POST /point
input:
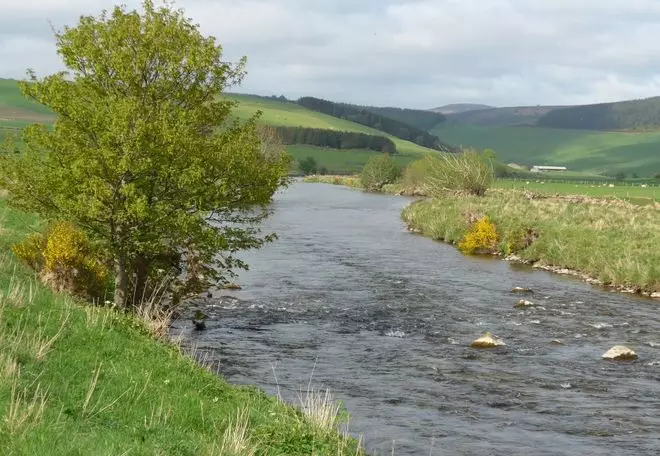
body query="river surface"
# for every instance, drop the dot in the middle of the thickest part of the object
(384, 319)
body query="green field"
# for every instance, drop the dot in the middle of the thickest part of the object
(13, 105)
(579, 150)
(639, 194)
(287, 114)
(344, 161)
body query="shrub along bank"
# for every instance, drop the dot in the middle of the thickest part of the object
(78, 379)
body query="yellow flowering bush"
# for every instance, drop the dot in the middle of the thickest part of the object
(482, 238)
(65, 260)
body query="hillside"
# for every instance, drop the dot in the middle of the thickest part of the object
(289, 114)
(579, 150)
(13, 106)
(629, 115)
(458, 108)
(368, 118)
(497, 117)
(424, 120)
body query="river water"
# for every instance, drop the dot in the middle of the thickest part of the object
(384, 319)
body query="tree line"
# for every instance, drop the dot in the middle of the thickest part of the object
(335, 139)
(371, 119)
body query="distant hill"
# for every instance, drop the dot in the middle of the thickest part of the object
(499, 117)
(457, 108)
(629, 115)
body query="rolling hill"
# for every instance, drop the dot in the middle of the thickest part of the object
(497, 117)
(631, 115)
(579, 150)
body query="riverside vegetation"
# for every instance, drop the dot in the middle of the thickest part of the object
(139, 195)
(81, 379)
(607, 241)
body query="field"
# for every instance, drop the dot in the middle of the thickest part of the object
(637, 194)
(348, 161)
(78, 379)
(280, 113)
(579, 150)
(13, 106)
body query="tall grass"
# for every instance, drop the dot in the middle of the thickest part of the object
(466, 172)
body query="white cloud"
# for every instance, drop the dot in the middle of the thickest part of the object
(401, 52)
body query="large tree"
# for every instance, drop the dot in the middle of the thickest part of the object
(144, 155)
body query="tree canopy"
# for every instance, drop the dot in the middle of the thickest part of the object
(144, 156)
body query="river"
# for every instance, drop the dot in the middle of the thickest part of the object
(384, 319)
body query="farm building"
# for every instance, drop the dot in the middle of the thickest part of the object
(543, 169)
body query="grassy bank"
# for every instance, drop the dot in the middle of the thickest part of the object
(76, 379)
(612, 241)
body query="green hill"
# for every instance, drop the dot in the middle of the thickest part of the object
(457, 108)
(497, 117)
(629, 115)
(15, 107)
(277, 112)
(579, 150)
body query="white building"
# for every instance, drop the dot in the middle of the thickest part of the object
(543, 169)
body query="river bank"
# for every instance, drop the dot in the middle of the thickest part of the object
(78, 379)
(602, 241)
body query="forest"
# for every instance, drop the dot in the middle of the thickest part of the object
(335, 139)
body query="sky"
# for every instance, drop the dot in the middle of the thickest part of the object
(407, 53)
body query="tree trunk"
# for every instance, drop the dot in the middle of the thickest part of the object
(121, 281)
(142, 293)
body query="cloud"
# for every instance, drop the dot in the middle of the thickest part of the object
(418, 53)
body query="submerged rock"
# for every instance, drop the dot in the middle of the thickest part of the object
(232, 286)
(523, 304)
(557, 342)
(198, 320)
(620, 353)
(522, 290)
(488, 340)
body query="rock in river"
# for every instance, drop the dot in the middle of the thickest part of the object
(619, 353)
(522, 290)
(488, 340)
(523, 304)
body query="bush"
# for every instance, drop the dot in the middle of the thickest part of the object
(482, 238)
(308, 166)
(414, 176)
(65, 260)
(467, 172)
(378, 171)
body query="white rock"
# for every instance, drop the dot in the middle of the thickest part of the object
(521, 290)
(620, 352)
(488, 340)
(523, 303)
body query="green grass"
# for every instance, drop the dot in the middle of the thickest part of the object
(280, 113)
(614, 242)
(82, 380)
(579, 150)
(615, 190)
(342, 161)
(14, 105)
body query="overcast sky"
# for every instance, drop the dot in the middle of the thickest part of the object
(413, 53)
